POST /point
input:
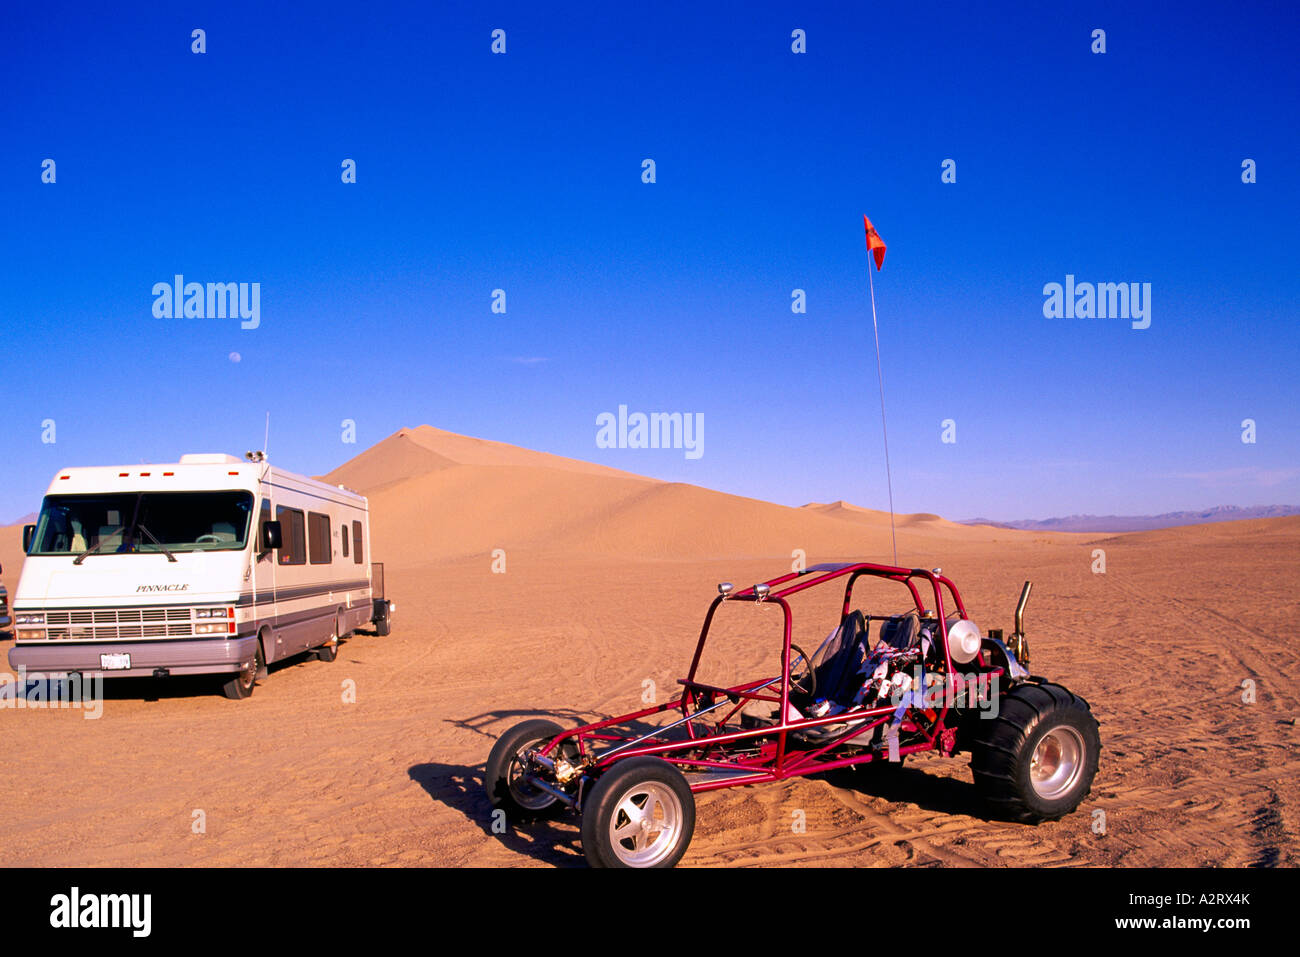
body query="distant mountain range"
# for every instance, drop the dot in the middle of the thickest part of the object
(1141, 523)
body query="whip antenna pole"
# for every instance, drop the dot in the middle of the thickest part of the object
(880, 374)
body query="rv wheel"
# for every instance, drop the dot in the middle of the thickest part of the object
(242, 684)
(330, 650)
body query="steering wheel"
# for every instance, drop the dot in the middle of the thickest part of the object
(805, 683)
(203, 539)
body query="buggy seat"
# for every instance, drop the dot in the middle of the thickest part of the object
(901, 632)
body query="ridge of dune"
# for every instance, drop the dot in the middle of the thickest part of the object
(450, 513)
(455, 512)
(393, 460)
(675, 519)
(410, 452)
(847, 510)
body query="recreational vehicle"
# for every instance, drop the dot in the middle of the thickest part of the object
(5, 619)
(211, 565)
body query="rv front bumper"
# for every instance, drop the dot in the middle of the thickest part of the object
(200, 656)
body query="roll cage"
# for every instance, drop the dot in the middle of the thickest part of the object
(736, 752)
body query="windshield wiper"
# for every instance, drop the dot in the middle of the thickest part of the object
(104, 540)
(93, 549)
(166, 550)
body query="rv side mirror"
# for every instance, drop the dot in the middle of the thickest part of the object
(271, 539)
(29, 532)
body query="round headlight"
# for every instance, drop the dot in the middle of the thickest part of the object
(963, 641)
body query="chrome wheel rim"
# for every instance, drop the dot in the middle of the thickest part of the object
(646, 825)
(1056, 763)
(523, 793)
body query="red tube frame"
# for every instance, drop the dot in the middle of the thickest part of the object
(778, 762)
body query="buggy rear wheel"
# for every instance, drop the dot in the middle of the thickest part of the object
(1036, 760)
(504, 771)
(639, 813)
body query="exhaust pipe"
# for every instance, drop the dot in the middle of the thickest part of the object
(1020, 608)
(1018, 645)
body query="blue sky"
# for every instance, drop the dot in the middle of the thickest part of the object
(522, 172)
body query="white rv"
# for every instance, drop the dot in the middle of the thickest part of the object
(210, 565)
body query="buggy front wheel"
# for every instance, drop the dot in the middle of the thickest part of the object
(639, 813)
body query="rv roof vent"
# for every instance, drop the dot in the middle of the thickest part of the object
(210, 458)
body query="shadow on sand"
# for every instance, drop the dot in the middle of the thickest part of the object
(460, 787)
(912, 785)
(137, 689)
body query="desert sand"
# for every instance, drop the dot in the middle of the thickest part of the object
(607, 579)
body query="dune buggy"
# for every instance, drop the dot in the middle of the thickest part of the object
(930, 681)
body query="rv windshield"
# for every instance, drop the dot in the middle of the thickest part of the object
(143, 523)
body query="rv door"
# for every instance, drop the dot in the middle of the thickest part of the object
(268, 540)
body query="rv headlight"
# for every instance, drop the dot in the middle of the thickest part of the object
(202, 613)
(38, 619)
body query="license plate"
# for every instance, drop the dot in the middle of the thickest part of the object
(114, 662)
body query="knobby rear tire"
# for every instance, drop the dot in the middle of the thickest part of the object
(1036, 760)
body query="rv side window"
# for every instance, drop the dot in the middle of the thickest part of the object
(318, 538)
(263, 518)
(294, 549)
(356, 542)
(343, 537)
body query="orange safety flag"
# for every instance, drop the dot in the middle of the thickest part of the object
(875, 244)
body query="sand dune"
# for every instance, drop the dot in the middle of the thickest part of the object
(437, 495)
(609, 577)
(844, 510)
(408, 453)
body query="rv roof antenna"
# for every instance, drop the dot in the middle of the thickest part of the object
(261, 456)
